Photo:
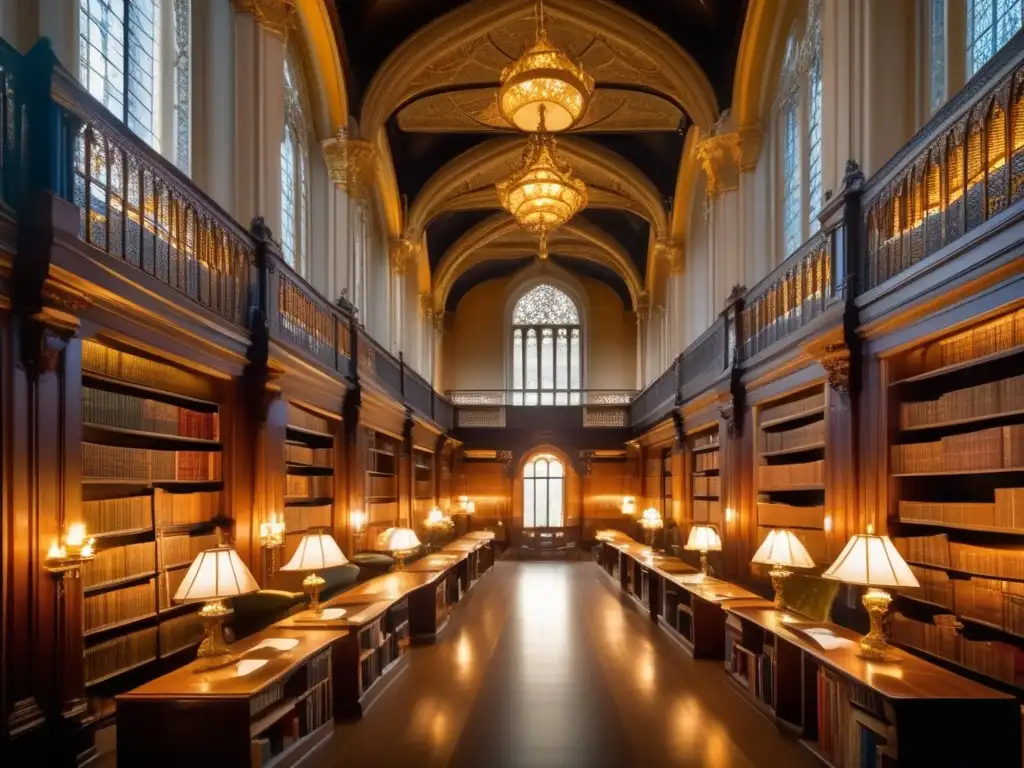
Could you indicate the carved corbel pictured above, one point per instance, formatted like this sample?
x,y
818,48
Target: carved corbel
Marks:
x,y
45,334
402,253
276,16
505,459
671,250
351,164
836,362
720,156
586,460
677,426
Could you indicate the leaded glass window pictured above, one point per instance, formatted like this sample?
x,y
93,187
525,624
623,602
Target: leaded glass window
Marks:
x,y
544,493
937,53
990,25
294,176
545,348
814,145
182,84
791,229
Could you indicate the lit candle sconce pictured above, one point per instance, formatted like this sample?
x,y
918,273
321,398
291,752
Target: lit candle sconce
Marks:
x,y
827,524
629,505
729,515
66,558
272,537
358,520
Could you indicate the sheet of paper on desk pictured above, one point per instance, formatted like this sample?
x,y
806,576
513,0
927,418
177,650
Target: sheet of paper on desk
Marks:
x,y
826,638
277,643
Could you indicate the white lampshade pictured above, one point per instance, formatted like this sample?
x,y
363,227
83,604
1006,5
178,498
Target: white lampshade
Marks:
x,y
704,538
872,561
398,540
782,547
435,517
317,550
214,575
628,505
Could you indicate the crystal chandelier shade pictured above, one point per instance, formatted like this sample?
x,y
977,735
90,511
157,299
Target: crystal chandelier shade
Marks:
x,y
544,90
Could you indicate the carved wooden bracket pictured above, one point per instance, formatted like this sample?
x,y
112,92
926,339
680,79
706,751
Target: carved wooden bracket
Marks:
x,y
507,464
836,362
677,425
44,337
586,459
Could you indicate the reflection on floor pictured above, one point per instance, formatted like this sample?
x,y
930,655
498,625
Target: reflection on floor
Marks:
x,y
543,665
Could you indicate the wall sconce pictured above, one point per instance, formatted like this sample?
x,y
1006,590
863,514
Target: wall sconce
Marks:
x,y
629,505
463,502
272,537
65,559
358,521
827,524
470,507
729,515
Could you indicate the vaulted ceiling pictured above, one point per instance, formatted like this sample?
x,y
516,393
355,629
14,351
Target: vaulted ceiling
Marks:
x,y
424,74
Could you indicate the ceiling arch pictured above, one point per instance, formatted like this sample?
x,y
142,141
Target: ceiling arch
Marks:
x,y
500,237
469,46
325,78
467,182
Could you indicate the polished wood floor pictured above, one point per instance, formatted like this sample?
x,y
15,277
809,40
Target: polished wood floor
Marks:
x,y
544,664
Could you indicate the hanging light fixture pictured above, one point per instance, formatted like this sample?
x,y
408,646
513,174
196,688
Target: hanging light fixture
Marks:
x,y
544,85
542,194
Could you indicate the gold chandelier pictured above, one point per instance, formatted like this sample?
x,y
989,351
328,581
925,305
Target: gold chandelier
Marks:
x,y
544,85
542,194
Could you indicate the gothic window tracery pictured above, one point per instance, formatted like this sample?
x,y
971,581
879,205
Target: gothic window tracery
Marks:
x,y
545,348
294,175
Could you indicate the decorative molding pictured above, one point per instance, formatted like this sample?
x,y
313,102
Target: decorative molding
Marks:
x,y
351,164
402,254
751,137
586,459
720,156
44,337
672,251
836,362
275,16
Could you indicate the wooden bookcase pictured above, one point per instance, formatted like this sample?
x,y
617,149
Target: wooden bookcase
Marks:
x,y
791,469
152,496
309,476
654,488
381,496
423,485
705,479
957,498
666,483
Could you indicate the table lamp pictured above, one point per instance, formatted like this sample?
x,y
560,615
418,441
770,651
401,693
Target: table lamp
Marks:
x,y
651,522
782,550
872,561
400,542
704,538
317,550
215,576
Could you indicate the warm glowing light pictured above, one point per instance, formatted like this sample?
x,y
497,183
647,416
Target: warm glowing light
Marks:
x,y
358,520
828,524
470,507
704,538
56,552
75,536
651,519
629,505
272,532
729,515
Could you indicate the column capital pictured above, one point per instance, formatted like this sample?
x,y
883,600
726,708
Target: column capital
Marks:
x,y
671,250
720,157
275,16
402,254
427,306
351,164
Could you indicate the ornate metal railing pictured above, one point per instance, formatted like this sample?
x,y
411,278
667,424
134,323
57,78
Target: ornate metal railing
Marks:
x,y
480,397
790,297
658,399
964,167
704,360
141,210
417,391
12,126
302,318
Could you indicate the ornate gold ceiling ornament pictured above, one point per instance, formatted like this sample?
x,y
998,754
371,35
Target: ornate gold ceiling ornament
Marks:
x,y
542,194
720,156
275,16
351,164
402,254
544,90
671,250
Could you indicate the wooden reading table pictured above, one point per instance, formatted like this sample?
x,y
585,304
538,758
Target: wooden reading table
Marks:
x,y
855,712
693,611
269,704
469,569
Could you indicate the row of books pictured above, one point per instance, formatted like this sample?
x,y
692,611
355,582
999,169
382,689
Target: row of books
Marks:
x,y
998,335
752,670
1007,513
1001,661
113,462
132,513
180,632
265,699
993,398
316,709
704,441
787,516
186,508
118,606
299,519
105,659
183,549
935,587
116,563
167,585
994,448
793,407
707,485
929,550
303,419
380,486
994,602
302,487
113,409
295,453
705,511
97,358
781,476
1000,563
789,439
848,736
703,462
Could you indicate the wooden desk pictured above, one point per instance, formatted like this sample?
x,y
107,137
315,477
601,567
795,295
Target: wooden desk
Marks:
x,y
469,569
693,612
274,714
842,705
640,572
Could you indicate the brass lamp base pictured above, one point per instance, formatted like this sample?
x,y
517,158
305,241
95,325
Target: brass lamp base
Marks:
x,y
778,575
705,567
213,615
874,646
400,559
312,585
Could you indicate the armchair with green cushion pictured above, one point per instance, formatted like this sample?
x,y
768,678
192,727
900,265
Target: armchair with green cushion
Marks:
x,y
373,564
809,595
336,580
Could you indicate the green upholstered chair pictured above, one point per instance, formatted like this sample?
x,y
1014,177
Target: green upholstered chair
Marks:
x,y
810,596
372,564
258,610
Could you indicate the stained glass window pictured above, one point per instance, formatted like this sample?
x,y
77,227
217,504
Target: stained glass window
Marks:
x,y
182,84
294,176
937,53
544,493
990,25
545,348
119,61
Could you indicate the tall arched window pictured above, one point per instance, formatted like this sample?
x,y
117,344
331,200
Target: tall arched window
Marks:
x,y
544,493
294,175
126,65
545,348
990,25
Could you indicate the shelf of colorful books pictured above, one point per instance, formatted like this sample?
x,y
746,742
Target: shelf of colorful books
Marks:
x,y
112,384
